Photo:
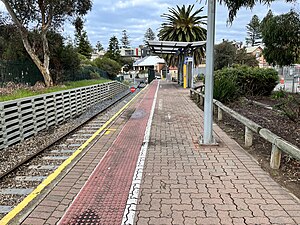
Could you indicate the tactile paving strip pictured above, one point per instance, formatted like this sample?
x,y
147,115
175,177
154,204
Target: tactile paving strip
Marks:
x,y
103,198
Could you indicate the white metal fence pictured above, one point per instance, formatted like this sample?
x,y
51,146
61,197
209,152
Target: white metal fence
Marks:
x,y
25,117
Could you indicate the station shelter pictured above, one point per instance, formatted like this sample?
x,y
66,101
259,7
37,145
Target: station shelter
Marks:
x,y
185,55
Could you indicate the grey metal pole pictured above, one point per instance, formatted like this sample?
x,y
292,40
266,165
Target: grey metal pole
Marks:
x,y
193,65
209,79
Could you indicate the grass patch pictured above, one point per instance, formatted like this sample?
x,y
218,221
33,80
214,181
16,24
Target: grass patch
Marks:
x,y
27,92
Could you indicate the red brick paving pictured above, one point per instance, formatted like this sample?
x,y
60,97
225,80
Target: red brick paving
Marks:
x,y
184,183
103,198
76,177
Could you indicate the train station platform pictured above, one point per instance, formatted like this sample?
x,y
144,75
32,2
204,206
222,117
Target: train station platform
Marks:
x,y
148,168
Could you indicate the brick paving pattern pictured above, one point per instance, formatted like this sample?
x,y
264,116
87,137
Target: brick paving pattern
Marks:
x,y
184,183
103,198
51,209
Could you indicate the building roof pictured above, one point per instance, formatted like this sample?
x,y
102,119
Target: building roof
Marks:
x,y
173,47
149,61
252,49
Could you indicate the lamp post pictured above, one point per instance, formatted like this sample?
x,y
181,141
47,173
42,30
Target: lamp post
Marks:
x,y
209,79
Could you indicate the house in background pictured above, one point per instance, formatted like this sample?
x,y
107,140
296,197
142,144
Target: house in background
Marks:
x,y
257,52
98,54
173,70
149,62
134,53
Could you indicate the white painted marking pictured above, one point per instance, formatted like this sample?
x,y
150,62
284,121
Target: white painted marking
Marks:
x,y
129,212
160,104
169,116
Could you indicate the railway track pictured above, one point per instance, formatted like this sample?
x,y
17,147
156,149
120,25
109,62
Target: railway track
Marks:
x,y
22,179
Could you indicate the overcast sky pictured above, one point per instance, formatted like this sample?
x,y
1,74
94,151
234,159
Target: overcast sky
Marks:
x,y
110,17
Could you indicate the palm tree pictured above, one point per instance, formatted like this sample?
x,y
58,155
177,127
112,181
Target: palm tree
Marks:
x,y
181,24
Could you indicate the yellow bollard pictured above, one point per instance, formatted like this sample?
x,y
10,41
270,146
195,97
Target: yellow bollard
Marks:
x,y
184,76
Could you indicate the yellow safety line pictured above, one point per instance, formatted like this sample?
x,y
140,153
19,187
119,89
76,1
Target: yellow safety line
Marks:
x,y
51,177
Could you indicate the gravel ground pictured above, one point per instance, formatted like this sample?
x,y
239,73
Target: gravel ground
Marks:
x,y
19,152
288,175
13,155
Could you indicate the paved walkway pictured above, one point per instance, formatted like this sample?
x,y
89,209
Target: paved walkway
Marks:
x,y
183,183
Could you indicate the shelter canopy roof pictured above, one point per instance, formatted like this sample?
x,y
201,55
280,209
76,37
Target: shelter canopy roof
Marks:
x,y
173,47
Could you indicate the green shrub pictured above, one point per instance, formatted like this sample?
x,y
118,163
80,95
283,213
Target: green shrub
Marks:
x,y
88,72
95,75
225,86
279,94
109,65
257,81
290,107
232,83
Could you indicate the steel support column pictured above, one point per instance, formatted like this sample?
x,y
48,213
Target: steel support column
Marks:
x,y
209,79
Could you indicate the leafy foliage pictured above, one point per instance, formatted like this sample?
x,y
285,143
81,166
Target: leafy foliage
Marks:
x,y
109,65
88,72
224,54
84,46
11,46
51,12
65,63
234,5
64,60
182,24
242,58
253,32
225,87
256,81
290,106
281,93
227,54
232,83
281,36
125,39
43,16
113,51
149,35
99,46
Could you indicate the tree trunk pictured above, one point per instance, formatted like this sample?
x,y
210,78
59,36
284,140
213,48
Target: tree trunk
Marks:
x,y
44,68
46,58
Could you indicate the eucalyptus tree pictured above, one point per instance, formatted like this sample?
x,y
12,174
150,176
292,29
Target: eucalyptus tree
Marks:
x,y
184,25
42,16
234,5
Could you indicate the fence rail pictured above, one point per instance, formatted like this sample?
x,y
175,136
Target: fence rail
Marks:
x,y
25,117
278,144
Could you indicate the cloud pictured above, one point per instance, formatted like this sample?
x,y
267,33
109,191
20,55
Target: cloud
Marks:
x,y
111,17
2,7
